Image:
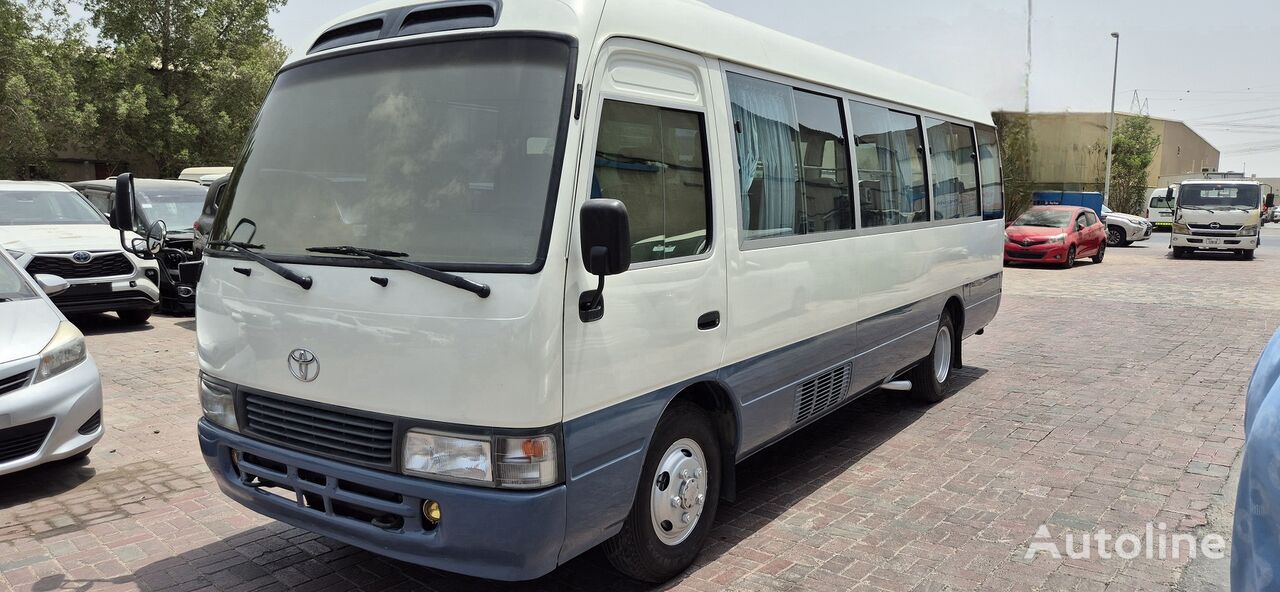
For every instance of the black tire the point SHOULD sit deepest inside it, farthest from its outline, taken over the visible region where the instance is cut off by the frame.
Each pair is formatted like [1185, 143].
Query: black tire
[1246, 254]
[135, 316]
[1071, 259]
[1115, 236]
[925, 385]
[637, 551]
[1127, 243]
[1102, 252]
[1180, 252]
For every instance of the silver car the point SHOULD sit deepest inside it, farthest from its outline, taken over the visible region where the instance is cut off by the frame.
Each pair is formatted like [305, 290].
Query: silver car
[50, 392]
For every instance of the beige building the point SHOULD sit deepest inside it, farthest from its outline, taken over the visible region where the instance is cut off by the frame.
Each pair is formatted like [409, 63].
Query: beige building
[1070, 151]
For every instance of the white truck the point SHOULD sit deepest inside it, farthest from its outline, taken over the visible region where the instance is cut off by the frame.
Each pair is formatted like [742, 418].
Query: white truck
[1218, 215]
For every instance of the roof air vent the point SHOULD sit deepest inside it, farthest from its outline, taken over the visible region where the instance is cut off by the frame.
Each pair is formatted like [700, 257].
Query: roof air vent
[348, 34]
[450, 16]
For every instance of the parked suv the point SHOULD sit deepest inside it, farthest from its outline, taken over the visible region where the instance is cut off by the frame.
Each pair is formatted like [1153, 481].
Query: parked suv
[1124, 229]
[177, 204]
[48, 228]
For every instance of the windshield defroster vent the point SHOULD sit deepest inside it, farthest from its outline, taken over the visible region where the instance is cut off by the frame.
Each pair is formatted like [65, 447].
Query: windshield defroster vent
[434, 17]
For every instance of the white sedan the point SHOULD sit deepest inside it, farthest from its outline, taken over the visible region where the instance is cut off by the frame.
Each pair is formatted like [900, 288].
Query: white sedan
[50, 392]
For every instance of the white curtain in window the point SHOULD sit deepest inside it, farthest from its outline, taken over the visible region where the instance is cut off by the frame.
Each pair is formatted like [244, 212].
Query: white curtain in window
[766, 143]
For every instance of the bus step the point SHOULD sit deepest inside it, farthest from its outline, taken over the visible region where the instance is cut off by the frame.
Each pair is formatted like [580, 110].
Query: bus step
[897, 385]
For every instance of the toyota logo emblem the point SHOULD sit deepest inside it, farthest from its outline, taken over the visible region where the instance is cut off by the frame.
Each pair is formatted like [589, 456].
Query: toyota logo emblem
[82, 257]
[1215, 225]
[303, 365]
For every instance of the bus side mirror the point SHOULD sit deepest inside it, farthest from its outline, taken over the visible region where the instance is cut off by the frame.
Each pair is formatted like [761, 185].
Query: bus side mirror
[1271, 200]
[606, 249]
[606, 237]
[122, 206]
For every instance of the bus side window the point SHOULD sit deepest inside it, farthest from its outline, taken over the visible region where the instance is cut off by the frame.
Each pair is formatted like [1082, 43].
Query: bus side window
[990, 174]
[653, 160]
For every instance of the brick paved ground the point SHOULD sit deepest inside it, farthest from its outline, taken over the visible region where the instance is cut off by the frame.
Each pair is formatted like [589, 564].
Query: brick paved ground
[1108, 396]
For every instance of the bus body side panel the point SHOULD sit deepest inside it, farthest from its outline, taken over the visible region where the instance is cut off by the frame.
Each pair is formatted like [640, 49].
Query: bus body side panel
[982, 300]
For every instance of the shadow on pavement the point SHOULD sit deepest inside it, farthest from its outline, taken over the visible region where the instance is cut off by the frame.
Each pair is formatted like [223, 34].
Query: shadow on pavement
[277, 556]
[105, 324]
[45, 481]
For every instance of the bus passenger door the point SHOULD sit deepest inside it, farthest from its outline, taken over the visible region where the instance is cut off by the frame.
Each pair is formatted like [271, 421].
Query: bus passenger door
[647, 126]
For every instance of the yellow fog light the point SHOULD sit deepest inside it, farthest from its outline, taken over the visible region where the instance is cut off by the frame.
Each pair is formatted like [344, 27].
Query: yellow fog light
[431, 511]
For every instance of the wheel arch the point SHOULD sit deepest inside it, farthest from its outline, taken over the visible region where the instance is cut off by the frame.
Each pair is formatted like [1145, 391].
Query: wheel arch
[955, 307]
[714, 398]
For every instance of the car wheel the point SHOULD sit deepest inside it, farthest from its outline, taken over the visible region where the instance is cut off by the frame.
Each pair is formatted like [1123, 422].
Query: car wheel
[1071, 259]
[1115, 236]
[135, 316]
[1102, 252]
[676, 500]
[929, 377]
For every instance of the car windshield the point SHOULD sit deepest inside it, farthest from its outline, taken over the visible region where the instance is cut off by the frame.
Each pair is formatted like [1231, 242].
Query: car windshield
[178, 206]
[29, 208]
[1221, 196]
[12, 285]
[1045, 218]
[446, 152]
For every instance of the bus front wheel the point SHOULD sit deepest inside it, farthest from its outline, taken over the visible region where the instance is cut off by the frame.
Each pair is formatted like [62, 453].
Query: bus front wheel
[675, 503]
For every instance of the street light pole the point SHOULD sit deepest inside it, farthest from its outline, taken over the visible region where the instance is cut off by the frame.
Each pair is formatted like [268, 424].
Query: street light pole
[1111, 122]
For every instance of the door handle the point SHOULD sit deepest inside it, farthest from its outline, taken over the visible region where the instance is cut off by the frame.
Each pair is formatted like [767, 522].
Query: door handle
[709, 321]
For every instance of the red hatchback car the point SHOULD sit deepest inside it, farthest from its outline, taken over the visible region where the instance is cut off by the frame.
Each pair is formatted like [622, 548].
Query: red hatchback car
[1055, 235]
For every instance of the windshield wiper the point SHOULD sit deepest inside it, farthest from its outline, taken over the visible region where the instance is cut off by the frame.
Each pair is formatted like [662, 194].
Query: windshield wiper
[244, 248]
[1210, 210]
[385, 257]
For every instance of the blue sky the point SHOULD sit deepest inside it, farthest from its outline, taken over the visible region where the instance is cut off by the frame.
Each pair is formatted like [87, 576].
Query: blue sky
[1214, 69]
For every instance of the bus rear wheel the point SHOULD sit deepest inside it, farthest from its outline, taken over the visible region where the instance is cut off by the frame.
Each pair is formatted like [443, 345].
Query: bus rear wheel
[929, 377]
[675, 503]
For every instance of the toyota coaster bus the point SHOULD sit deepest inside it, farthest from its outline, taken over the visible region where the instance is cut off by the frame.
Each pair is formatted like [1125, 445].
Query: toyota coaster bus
[498, 282]
[1217, 215]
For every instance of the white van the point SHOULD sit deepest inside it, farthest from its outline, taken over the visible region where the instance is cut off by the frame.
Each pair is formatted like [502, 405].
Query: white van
[406, 337]
[204, 175]
[1160, 208]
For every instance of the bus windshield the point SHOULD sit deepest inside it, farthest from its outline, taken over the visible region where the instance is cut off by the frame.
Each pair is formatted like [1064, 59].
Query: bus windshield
[1221, 196]
[444, 151]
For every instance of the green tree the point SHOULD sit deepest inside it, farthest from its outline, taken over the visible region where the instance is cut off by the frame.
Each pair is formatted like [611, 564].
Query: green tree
[41, 109]
[1016, 150]
[1133, 152]
[179, 81]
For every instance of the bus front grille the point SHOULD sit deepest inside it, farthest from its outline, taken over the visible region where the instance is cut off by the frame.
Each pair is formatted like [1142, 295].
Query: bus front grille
[340, 435]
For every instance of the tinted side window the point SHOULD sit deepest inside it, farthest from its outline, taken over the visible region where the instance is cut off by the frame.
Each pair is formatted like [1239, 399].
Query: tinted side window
[793, 160]
[891, 173]
[990, 174]
[954, 167]
[824, 158]
[654, 161]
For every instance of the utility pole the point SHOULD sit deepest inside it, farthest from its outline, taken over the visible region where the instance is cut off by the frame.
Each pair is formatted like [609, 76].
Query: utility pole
[1027, 82]
[1111, 123]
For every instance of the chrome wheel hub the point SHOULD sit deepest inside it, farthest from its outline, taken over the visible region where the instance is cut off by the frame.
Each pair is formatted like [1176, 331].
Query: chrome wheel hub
[942, 355]
[678, 492]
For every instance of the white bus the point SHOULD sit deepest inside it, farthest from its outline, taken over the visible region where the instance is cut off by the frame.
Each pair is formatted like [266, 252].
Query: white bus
[405, 336]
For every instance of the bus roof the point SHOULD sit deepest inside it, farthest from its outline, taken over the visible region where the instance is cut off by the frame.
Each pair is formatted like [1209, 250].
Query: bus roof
[696, 27]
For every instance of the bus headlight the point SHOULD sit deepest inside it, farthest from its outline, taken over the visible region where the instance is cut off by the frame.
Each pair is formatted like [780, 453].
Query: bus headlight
[514, 462]
[1249, 231]
[219, 405]
[64, 352]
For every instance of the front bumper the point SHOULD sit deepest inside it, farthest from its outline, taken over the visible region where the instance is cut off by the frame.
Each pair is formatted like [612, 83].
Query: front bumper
[488, 533]
[1220, 243]
[1040, 253]
[70, 400]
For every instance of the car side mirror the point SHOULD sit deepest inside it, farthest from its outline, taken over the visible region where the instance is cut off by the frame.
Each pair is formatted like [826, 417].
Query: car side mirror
[1168, 194]
[121, 216]
[1271, 200]
[605, 234]
[52, 285]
